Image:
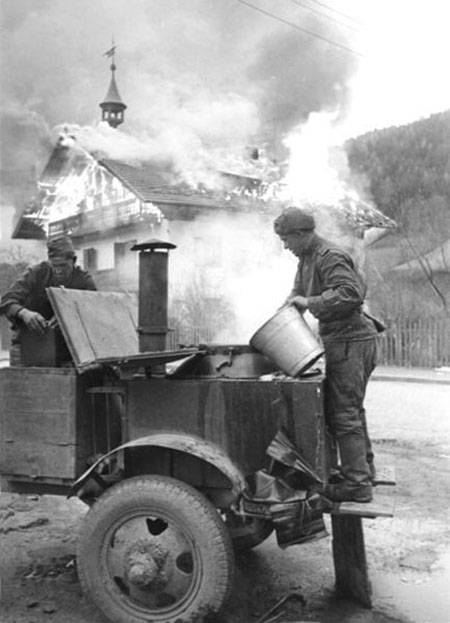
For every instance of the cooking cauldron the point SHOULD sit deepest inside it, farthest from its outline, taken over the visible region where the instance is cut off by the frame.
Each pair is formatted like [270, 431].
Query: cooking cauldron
[227, 361]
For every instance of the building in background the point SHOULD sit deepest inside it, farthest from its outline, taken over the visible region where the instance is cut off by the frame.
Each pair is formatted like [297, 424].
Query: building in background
[109, 205]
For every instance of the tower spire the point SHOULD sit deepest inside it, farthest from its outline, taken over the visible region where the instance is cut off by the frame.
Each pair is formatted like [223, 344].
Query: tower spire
[112, 106]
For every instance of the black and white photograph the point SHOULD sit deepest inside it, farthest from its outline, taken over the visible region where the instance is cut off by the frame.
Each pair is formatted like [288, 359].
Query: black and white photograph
[224, 311]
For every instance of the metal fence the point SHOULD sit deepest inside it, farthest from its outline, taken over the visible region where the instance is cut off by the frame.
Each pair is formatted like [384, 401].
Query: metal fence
[420, 342]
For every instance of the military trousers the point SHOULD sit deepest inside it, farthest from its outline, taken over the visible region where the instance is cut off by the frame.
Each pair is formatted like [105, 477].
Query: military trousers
[348, 366]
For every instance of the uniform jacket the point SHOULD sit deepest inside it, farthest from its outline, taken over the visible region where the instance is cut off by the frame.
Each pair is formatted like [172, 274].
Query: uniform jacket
[29, 290]
[326, 275]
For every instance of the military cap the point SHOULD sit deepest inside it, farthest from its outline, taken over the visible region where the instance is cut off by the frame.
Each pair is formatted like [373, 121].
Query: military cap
[60, 246]
[293, 220]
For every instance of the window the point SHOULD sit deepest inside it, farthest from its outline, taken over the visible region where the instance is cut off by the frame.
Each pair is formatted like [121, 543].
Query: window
[90, 259]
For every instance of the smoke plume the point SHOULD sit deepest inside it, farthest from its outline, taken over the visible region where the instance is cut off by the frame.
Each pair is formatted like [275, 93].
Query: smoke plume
[198, 77]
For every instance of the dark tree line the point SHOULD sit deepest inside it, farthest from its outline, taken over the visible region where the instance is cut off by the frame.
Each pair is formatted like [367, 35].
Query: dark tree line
[404, 164]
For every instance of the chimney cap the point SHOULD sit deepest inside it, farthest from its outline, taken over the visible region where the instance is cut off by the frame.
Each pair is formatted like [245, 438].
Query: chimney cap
[153, 245]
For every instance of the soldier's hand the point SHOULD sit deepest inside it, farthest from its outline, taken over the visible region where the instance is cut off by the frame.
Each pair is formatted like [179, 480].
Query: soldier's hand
[52, 323]
[33, 320]
[300, 302]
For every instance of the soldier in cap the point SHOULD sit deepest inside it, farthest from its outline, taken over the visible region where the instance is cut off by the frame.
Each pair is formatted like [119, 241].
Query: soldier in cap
[329, 286]
[26, 303]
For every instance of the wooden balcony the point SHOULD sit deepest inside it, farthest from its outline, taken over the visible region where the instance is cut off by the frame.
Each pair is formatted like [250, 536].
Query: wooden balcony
[105, 218]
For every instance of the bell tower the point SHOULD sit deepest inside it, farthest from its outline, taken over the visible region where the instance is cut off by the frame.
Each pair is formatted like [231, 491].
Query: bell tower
[112, 107]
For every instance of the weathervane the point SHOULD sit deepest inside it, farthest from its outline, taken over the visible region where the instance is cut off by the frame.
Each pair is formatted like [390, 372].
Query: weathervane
[110, 54]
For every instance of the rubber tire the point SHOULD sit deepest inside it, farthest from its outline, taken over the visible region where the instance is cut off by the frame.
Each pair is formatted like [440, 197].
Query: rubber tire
[198, 518]
[248, 536]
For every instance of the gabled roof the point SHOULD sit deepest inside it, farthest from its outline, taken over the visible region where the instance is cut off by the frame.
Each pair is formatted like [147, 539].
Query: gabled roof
[154, 182]
[142, 179]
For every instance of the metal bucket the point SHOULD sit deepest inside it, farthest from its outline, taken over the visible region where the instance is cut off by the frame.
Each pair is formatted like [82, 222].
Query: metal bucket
[288, 341]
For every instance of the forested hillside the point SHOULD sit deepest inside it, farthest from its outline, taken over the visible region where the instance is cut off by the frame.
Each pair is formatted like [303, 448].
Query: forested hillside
[406, 170]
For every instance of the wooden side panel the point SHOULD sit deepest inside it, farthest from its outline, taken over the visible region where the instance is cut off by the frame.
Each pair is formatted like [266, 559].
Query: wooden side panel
[38, 422]
[45, 423]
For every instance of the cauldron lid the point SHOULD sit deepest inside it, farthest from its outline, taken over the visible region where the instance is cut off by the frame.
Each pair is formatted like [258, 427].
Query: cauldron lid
[227, 349]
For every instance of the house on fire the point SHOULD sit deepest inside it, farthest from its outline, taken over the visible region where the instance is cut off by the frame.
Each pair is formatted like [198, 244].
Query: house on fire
[108, 205]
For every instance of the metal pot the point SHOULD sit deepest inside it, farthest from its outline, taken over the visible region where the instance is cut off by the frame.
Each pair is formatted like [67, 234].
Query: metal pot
[229, 361]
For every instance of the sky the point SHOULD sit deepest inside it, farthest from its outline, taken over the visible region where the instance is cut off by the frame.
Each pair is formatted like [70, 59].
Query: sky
[403, 74]
[217, 75]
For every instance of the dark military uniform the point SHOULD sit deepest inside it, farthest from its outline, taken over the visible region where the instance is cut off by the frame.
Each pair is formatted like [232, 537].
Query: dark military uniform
[29, 292]
[326, 275]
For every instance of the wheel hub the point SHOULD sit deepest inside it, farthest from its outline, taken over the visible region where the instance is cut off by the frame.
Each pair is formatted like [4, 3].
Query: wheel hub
[147, 565]
[151, 561]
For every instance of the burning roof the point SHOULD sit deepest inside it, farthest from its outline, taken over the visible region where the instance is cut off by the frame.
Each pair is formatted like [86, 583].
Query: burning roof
[75, 181]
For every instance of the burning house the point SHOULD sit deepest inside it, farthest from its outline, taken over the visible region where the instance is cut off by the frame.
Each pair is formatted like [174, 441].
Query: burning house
[108, 205]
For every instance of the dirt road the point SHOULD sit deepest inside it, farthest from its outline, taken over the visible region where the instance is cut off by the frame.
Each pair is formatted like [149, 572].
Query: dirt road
[409, 555]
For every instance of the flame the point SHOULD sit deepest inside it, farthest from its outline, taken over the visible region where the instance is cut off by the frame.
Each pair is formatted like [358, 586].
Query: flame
[84, 186]
[310, 177]
[318, 175]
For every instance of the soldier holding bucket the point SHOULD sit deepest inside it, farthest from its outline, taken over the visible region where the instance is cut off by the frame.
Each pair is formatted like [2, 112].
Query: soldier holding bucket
[329, 286]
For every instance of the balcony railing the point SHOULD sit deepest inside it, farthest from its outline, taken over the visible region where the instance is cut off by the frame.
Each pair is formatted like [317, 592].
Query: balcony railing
[107, 217]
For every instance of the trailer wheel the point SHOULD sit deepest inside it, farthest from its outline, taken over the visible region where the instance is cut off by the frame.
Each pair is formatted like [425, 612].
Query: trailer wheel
[153, 548]
[247, 532]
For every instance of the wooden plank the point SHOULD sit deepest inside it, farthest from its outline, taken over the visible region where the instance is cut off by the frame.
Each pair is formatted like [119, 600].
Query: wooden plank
[378, 508]
[77, 341]
[382, 506]
[109, 325]
[96, 324]
[349, 556]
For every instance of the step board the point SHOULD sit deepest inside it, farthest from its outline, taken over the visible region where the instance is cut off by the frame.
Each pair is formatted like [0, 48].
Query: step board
[382, 505]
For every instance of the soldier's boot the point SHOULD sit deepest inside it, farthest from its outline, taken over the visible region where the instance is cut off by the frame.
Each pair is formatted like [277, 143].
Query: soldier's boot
[356, 485]
[337, 476]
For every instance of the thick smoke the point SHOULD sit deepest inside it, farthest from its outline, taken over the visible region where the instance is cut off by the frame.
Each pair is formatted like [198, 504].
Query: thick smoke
[203, 82]
[198, 77]
[297, 75]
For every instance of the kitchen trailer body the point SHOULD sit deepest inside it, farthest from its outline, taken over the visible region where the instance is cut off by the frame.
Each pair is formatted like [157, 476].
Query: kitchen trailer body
[182, 456]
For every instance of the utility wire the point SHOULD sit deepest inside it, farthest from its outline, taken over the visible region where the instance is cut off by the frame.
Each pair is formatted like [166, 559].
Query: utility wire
[308, 32]
[327, 6]
[425, 266]
[322, 14]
